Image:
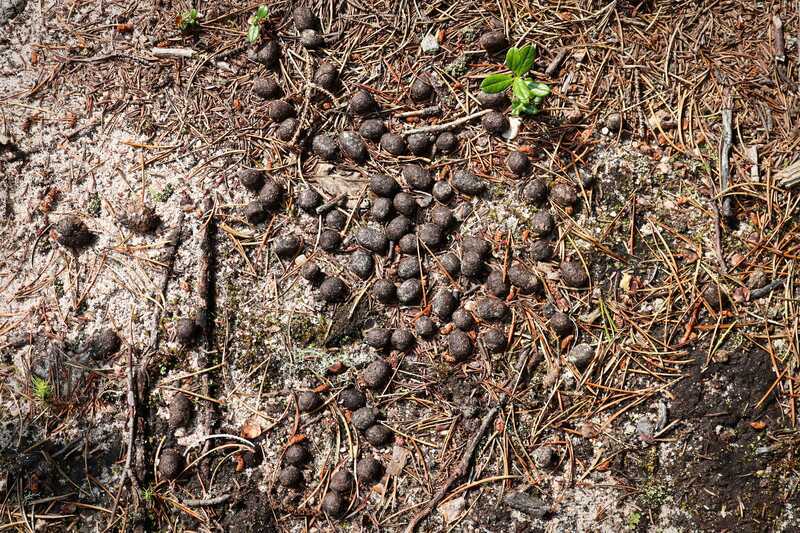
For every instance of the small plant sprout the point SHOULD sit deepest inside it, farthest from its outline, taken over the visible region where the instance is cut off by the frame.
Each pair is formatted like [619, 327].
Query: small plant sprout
[259, 17]
[41, 389]
[147, 494]
[528, 95]
[188, 19]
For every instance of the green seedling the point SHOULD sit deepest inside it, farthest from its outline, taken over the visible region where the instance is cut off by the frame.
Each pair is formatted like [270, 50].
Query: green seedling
[528, 95]
[188, 20]
[259, 17]
[41, 389]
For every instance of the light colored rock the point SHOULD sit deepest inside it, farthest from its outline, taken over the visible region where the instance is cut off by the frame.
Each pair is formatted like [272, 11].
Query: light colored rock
[429, 44]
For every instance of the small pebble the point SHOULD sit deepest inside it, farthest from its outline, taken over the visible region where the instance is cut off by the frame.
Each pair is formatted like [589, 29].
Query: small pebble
[384, 291]
[459, 344]
[352, 146]
[372, 239]
[333, 290]
[377, 374]
[393, 143]
[362, 103]
[614, 122]
[352, 399]
[716, 297]
[372, 129]
[409, 292]
[362, 264]
[467, 183]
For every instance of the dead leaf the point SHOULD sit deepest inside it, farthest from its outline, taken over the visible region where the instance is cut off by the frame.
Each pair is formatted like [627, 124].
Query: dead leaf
[452, 509]
[398, 461]
[252, 428]
[758, 425]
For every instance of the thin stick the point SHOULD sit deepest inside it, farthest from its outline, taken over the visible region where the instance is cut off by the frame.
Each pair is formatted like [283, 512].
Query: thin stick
[447, 125]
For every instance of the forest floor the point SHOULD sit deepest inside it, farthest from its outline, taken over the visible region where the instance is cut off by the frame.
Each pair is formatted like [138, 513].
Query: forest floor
[625, 353]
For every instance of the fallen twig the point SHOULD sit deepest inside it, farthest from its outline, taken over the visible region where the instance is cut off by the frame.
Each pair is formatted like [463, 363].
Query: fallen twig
[447, 125]
[222, 498]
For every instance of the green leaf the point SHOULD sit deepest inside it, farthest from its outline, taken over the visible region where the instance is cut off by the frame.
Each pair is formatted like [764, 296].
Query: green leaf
[262, 13]
[495, 83]
[253, 33]
[538, 89]
[527, 55]
[512, 58]
[521, 90]
[518, 107]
